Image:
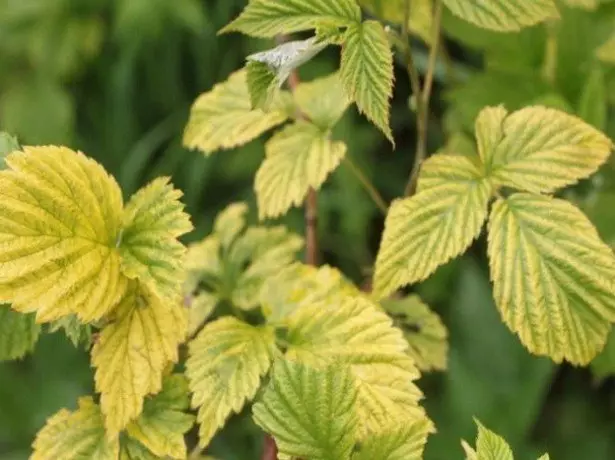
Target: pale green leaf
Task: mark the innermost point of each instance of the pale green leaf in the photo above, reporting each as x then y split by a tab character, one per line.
200	308
544	457
8	144
268	18
593	101
75	330
310	411
262	85
18	333
469	452
489	446
132	352
396	443
298	158
504	15
489	131
606	51
230	222
367	72
60	218
323	100
438	223
553	277
420	17
224	368
75	435
541	150
589	5
223	118
423	329
163	422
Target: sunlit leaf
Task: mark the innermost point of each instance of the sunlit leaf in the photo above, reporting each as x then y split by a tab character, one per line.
489	446
396	443
18	333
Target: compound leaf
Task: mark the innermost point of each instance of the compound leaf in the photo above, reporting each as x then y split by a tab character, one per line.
298	158
18	333
553	276
224	368
310	411
323	100
396	443
489	446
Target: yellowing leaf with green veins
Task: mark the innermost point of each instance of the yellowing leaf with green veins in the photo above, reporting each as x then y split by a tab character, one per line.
75	436
420	16
60	217
406	442
132	352
298	158
489	131
553	277
268	18
18	333
435	225
223	118
310	411
225	364
367	72
606	52
163	422
153	220
542	150
503	15
423	329
323	100
356	332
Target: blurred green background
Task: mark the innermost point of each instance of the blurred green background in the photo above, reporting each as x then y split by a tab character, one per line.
116	78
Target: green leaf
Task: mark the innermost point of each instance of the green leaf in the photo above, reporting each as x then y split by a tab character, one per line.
438	223
323	100
589	5
298	158
603	365
423	329
310	411
489	446
367	72
76	331
18	333
606	52
262	84
593	102
153	220
163	422
503	15
552	277
8	144
223	118
542	150
224	368
75	435
268	18
396	443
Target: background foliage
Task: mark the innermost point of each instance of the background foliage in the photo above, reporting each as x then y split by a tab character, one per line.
116	78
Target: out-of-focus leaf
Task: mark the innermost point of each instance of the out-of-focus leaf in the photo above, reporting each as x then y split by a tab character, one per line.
18	333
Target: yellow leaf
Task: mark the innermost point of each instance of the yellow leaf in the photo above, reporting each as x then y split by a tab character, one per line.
489	131
132	352
553	277
606	52
60	217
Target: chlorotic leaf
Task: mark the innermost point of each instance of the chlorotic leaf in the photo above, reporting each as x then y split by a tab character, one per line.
323	100
489	446
297	158
423	329
230	223
75	436
132	352
161	426
435	225
489	131
396	443
268	18
541	150
367	72
153	220
553	277
223	118
224	368
503	15
60	217
310	411
606	52
18	333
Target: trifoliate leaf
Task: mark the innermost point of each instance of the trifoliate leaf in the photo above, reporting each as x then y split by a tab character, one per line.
8	144
268	18
60	218
423	329
76	331
603	365
606	52
323	100
18	333
553	277
132	352
298	158
489	446
153	220
396	443
262	85
224	368
420	18
355	332
432	227
367	72
310	411
163	422
223	118
75	436
503	15
541	150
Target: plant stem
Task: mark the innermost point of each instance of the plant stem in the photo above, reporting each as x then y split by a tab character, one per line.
413	74
423	100
367	185
549	70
